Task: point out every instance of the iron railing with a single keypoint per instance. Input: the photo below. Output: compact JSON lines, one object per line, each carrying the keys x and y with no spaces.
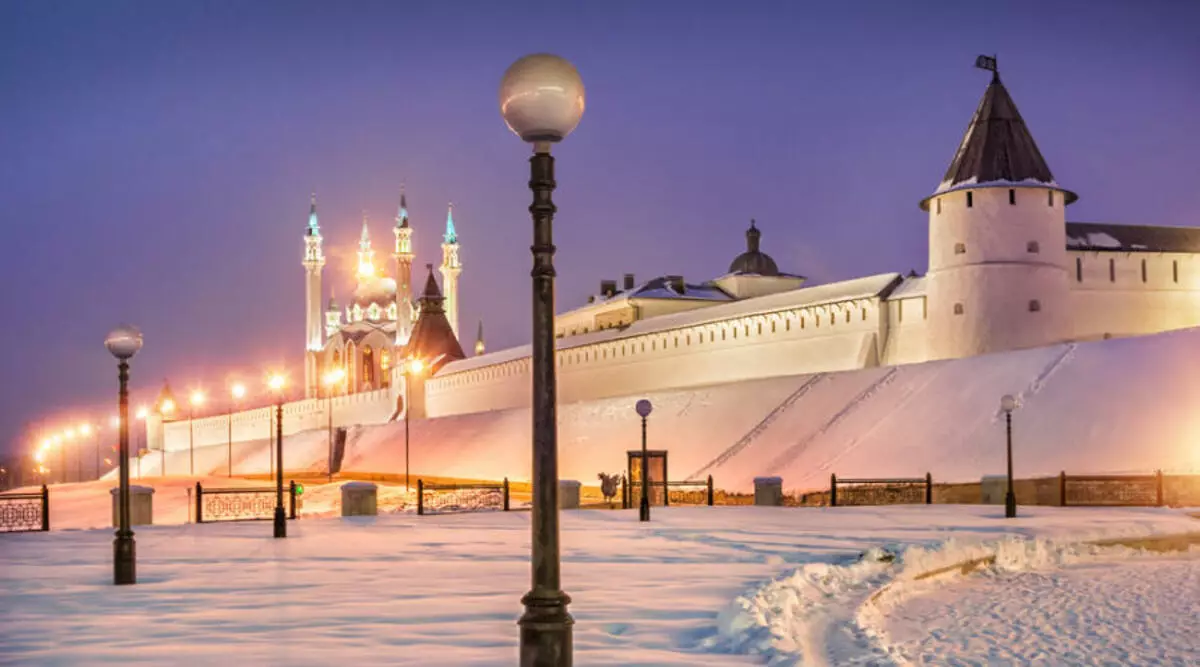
{"x":881,"y":491}
{"x":25,"y":512}
{"x":434,"y":498}
{"x":1111,"y":490}
{"x":241,"y":504}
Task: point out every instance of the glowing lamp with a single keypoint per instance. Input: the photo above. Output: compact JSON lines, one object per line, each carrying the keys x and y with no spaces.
{"x":142,"y":413}
{"x":168,"y":406}
{"x":276,"y":382}
{"x":334,"y":376}
{"x":124,"y":341}
{"x":541,"y":98}
{"x":114,"y":421}
{"x":197,"y":398}
{"x":416,"y":366}
{"x":238,"y":391}
{"x":85,"y":430}
{"x":39,"y":456}
{"x":69,"y":434}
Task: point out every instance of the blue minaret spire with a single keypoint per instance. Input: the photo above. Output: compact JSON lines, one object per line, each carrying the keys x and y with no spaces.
{"x":313,"y":228}
{"x":402,"y":214}
{"x":451,"y":236}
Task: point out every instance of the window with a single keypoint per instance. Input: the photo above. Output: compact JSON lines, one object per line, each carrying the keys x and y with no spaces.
{"x":773,"y":323}
{"x":1032,"y":247}
{"x":847,"y":317}
{"x":1035,"y":306}
{"x":760,"y":328}
{"x":1175,"y":270}
{"x":970,"y":200}
{"x":1143,"y":270}
{"x":958,"y":309}
{"x":960,"y":248}
{"x":939,"y":205}
{"x":1112,"y":270}
{"x":1078,"y":269}
{"x":1012,"y":197}
{"x":1051,"y":198}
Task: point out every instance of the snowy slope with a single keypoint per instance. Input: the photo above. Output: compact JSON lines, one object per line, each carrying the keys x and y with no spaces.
{"x":1120,"y":405}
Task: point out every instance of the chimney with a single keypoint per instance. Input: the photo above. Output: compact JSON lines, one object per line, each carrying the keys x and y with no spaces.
{"x":628,"y":282}
{"x":608,"y":288}
{"x":676,"y":284}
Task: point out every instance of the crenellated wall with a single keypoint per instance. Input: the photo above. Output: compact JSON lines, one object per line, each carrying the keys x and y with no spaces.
{"x":1117,"y":294}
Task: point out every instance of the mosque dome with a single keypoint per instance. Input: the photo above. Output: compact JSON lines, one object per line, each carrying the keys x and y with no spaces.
{"x":754,"y":261}
{"x":377,"y":290}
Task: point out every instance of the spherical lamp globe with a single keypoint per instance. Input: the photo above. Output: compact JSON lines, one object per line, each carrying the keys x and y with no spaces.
{"x":1008,"y":403}
{"x":124,"y":341}
{"x":643,"y":408}
{"x":541,"y":98}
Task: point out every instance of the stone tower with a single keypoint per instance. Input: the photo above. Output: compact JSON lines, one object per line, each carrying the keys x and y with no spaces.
{"x":997,"y":275}
{"x":404,"y":259}
{"x":314,"y":262}
{"x":450,"y":270}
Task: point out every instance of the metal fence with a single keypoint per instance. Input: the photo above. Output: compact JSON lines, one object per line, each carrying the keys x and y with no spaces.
{"x":669,"y":493}
{"x":25,"y":512}
{"x":897,"y":491}
{"x":241,"y":504}
{"x":1111,"y":490}
{"x":434,"y":498}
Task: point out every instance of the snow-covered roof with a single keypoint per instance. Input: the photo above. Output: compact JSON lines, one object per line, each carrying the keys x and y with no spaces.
{"x":911,"y":287}
{"x":1100,"y":236}
{"x":858,"y":288}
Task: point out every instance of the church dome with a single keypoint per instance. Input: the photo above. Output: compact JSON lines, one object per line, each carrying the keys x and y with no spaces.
{"x":754,"y":261}
{"x":378,"y":290}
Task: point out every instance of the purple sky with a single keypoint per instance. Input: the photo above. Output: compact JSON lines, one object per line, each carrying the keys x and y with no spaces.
{"x":156,"y":158}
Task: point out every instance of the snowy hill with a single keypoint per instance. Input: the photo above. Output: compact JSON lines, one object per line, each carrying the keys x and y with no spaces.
{"x":1121,"y":405}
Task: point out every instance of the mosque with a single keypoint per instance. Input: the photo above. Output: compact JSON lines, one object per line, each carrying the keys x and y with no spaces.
{"x":1006,"y":271}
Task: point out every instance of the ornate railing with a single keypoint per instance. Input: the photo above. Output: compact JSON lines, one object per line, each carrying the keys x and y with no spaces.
{"x":676,"y":493}
{"x":241,"y":504}
{"x":898,"y":491}
{"x":1113,"y":490}
{"x":434,"y":498}
{"x":25,"y":512}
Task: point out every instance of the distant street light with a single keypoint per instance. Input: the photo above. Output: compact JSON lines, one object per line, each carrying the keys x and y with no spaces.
{"x":1008,"y":403}
{"x":276,"y":383}
{"x":411,"y":367}
{"x":542,"y":98}
{"x":643,"y":409}
{"x":194,"y":401}
{"x":332,"y":379}
{"x":124,"y":342}
{"x":237,"y":392}
{"x":142,"y":413}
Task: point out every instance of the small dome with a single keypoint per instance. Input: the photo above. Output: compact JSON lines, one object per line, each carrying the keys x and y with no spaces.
{"x":754,"y":260}
{"x":379,"y":290}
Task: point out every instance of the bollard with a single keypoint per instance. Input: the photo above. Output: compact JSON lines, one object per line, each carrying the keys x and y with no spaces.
{"x":833,"y":490}
{"x":420,"y":497}
{"x":1062,"y":488}
{"x":710,"y":491}
{"x":928,"y":488}
{"x":45,"y":508}
{"x":199,"y":504}
{"x":292,"y":499}
{"x":505,"y":494}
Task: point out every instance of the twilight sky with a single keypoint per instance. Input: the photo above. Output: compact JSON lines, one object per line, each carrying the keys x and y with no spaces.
{"x":156,"y":158}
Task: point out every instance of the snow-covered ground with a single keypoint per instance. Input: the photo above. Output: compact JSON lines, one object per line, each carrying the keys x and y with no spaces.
{"x":696,"y":586}
{"x":1112,"y":406}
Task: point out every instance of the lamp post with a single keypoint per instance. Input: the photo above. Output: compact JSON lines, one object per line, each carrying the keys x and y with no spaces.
{"x":69,"y":436}
{"x":237,"y":392}
{"x":124,"y":342}
{"x":142,"y":413}
{"x":1008,"y":403}
{"x":194,"y":401}
{"x":276,"y":383}
{"x":411,"y":367}
{"x":332,"y":379}
{"x":541,"y":99}
{"x":643,"y":409}
{"x":167,"y":409}
{"x":57,"y":441}
{"x":85,"y":430}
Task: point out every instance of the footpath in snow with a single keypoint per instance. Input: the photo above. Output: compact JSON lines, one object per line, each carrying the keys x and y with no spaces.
{"x":696,"y":586}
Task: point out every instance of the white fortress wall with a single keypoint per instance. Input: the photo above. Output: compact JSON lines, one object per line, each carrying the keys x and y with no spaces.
{"x":1132,"y":293}
{"x":374,"y":407}
{"x":827,"y":328}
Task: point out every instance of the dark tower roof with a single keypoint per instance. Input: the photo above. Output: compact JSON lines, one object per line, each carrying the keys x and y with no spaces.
{"x":432,"y":340}
{"x":754,"y":260}
{"x":997,"y":148}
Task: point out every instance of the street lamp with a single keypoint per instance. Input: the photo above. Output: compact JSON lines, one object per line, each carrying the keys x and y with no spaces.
{"x":142,"y":413}
{"x":332,"y":379}
{"x":238,"y":392}
{"x":167,"y":409}
{"x":194,"y":401}
{"x":57,"y":440}
{"x":69,"y":435}
{"x":276,"y":384}
{"x":542,"y":98}
{"x":124,"y":342}
{"x":411,"y":367}
{"x":1008,"y":403}
{"x":643,"y":409}
{"x":85,"y":430}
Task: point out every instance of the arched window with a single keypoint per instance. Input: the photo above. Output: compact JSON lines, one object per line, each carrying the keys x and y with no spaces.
{"x":938,"y":201}
{"x":367,"y":375}
{"x":958,"y":309}
{"x":385,"y":365}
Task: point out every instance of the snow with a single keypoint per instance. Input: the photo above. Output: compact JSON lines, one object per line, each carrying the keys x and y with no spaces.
{"x":406,"y":590}
{"x":1093,"y":240}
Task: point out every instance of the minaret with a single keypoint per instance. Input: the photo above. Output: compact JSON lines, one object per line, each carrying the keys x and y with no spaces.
{"x":333,"y":316}
{"x":450,"y":269}
{"x":314,"y":262}
{"x":366,"y":255}
{"x":997,"y":275}
{"x":404,"y":259}
{"x":479,"y":346}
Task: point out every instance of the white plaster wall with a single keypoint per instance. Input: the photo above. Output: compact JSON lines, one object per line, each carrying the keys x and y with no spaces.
{"x":848,"y":337}
{"x":907,"y":332}
{"x":1113,"y":295}
{"x":996,"y":275}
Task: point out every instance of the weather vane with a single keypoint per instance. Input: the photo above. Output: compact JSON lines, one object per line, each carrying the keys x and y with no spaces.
{"x":988,"y":63}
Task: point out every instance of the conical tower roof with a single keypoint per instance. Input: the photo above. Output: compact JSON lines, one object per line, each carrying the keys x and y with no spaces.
{"x":997,"y":149}
{"x":432,"y":339}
